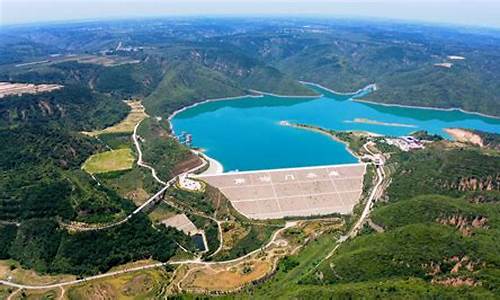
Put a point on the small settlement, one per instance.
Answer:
(406, 143)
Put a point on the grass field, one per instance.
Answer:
(127, 125)
(135, 184)
(147, 284)
(114, 160)
(5, 291)
(11, 268)
(47, 294)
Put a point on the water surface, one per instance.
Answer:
(244, 134)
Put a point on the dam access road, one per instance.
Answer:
(354, 230)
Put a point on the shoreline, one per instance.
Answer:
(286, 96)
(464, 136)
(371, 85)
(324, 132)
(429, 108)
(214, 166)
(220, 168)
(399, 105)
(242, 97)
(172, 115)
(262, 94)
(285, 169)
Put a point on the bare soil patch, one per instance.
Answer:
(9, 88)
(465, 136)
(222, 279)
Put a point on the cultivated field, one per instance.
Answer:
(275, 194)
(8, 88)
(114, 160)
(127, 125)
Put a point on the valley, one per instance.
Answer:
(232, 159)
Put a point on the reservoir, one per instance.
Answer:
(198, 242)
(245, 134)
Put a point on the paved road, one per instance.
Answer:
(146, 267)
(356, 228)
(353, 232)
(366, 211)
(141, 163)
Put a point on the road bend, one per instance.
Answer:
(355, 229)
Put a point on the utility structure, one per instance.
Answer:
(185, 138)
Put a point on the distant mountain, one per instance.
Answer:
(420, 66)
(437, 202)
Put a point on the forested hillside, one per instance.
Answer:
(451, 172)
(440, 240)
(42, 186)
(74, 107)
(417, 65)
(440, 216)
(40, 244)
(407, 66)
(205, 71)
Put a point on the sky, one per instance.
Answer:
(472, 12)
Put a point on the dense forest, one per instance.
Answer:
(440, 217)
(74, 107)
(404, 64)
(42, 183)
(40, 244)
(450, 172)
(42, 186)
(41, 177)
(217, 59)
(206, 71)
(440, 226)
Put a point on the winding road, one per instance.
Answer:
(354, 230)
(146, 267)
(366, 211)
(141, 163)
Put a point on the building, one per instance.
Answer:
(189, 184)
(406, 143)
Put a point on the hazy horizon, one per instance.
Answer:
(483, 13)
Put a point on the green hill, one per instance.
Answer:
(435, 241)
(41, 177)
(437, 170)
(200, 72)
(345, 57)
(74, 107)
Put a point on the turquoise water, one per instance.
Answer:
(244, 134)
